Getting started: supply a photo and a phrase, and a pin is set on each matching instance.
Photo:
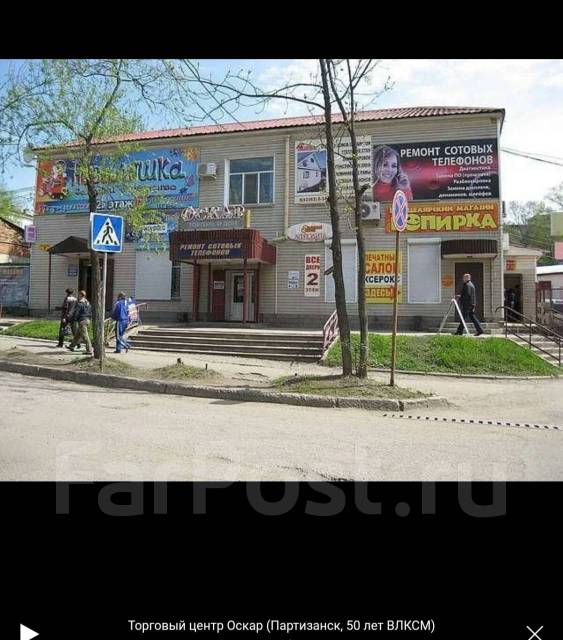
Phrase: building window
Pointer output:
(424, 266)
(349, 269)
(251, 181)
(175, 281)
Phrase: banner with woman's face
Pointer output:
(456, 170)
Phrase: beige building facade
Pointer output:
(281, 274)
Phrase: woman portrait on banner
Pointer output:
(388, 177)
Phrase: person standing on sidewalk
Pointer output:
(120, 313)
(67, 312)
(82, 316)
(466, 301)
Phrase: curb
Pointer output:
(240, 395)
(471, 376)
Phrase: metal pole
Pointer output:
(395, 309)
(103, 312)
(49, 287)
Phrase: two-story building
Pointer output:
(246, 229)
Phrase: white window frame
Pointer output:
(258, 173)
(419, 241)
(329, 250)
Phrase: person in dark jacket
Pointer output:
(120, 313)
(67, 312)
(466, 301)
(83, 316)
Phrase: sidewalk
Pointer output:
(525, 400)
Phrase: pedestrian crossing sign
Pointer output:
(106, 233)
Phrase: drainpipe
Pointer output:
(286, 198)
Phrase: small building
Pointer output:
(14, 266)
(247, 238)
(552, 274)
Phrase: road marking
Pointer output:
(496, 423)
(534, 633)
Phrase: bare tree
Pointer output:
(337, 84)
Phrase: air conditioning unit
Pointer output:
(207, 170)
(370, 211)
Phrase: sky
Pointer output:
(531, 91)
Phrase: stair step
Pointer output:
(202, 346)
(226, 339)
(258, 354)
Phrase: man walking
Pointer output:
(466, 301)
(120, 313)
(83, 316)
(67, 313)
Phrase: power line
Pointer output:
(532, 157)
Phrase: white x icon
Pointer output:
(534, 633)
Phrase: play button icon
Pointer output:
(26, 633)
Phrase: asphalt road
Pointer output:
(51, 430)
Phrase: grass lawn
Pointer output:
(448, 354)
(343, 387)
(112, 365)
(47, 329)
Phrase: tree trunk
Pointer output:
(98, 304)
(362, 370)
(339, 291)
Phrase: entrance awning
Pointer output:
(469, 248)
(73, 246)
(221, 244)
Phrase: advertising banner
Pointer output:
(310, 232)
(425, 218)
(206, 250)
(311, 184)
(456, 169)
(293, 279)
(380, 277)
(312, 276)
(169, 175)
(14, 286)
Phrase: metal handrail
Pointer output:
(330, 331)
(109, 324)
(531, 325)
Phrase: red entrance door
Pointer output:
(218, 296)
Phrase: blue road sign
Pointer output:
(400, 208)
(106, 233)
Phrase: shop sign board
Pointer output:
(448, 217)
(310, 232)
(210, 250)
(227, 217)
(380, 277)
(312, 276)
(166, 177)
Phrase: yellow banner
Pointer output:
(444, 217)
(380, 277)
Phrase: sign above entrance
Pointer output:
(228, 217)
(310, 232)
(206, 250)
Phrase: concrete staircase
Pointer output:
(302, 346)
(548, 350)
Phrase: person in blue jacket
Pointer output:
(120, 313)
